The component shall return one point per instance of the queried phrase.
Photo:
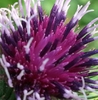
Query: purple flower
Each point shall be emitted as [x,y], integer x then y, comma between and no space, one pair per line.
[42,56]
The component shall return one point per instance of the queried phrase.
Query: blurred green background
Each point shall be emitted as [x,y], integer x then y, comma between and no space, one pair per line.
[47,5]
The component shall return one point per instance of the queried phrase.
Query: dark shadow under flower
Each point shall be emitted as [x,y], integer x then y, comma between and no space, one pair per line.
[43,57]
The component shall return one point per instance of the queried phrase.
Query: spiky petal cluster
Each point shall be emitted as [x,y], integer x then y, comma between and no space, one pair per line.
[42,56]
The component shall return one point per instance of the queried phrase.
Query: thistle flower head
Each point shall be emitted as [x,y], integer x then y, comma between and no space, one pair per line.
[42,56]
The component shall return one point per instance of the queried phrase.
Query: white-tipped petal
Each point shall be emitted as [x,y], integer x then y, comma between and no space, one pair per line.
[28,24]
[27,47]
[92,90]
[92,28]
[15,17]
[66,6]
[77,11]
[92,22]
[5,20]
[28,7]
[81,11]
[60,5]
[82,89]
[5,29]
[21,8]
[21,67]
[5,62]
[7,72]
[35,9]
[38,3]
[18,98]
[96,38]
[38,96]
[26,93]
[69,94]
[42,67]
[57,2]
[20,75]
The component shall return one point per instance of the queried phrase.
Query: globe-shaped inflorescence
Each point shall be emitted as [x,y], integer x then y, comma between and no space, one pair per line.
[42,56]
